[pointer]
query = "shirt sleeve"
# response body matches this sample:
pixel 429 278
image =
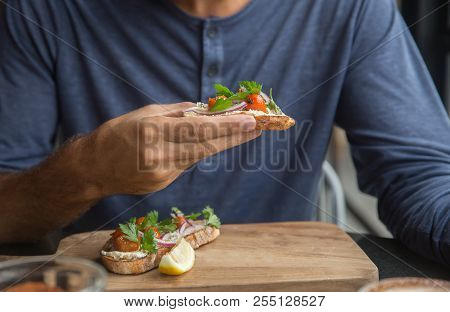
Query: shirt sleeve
pixel 28 105
pixel 398 130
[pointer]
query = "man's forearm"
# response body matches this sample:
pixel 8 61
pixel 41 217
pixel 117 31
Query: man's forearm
pixel 49 196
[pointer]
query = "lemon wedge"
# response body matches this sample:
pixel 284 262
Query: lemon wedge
pixel 179 260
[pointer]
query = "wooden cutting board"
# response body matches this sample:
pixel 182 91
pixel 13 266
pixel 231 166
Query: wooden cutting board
pixel 286 256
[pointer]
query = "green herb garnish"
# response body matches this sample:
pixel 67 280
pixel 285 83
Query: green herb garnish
pixel 150 220
pixel 148 242
pixel 251 86
pixel 167 226
pixel 246 88
pixel 221 104
pixel 130 231
pixel 221 90
pixel 272 105
pixel 210 217
pixel 193 216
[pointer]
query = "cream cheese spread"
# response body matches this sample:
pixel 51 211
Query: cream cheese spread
pixel 119 255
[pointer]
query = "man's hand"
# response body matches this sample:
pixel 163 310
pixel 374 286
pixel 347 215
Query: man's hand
pixel 139 152
pixel 145 150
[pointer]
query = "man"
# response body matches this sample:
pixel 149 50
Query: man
pixel 91 68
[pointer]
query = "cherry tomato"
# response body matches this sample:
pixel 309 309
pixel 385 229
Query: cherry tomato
pixel 211 103
pixel 116 233
pixel 120 243
pixel 140 220
pixel 154 229
pixel 256 102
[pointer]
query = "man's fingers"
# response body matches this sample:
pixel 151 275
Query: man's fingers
pixel 171 157
pixel 190 153
pixel 177 109
pixel 202 129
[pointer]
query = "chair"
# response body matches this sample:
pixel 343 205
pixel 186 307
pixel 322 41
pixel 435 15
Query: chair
pixel 331 206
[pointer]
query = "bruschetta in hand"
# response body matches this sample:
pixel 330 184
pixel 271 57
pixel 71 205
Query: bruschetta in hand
pixel 248 99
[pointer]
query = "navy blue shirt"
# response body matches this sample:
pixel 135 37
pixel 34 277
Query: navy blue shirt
pixel 71 65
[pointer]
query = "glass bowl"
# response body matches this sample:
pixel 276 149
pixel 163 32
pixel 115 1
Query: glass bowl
pixel 50 273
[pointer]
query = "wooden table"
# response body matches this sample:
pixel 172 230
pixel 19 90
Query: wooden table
pixel 283 256
pixel 391 257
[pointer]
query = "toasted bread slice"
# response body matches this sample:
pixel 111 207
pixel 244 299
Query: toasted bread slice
pixel 202 237
pixel 273 122
pixel 263 121
pixel 151 261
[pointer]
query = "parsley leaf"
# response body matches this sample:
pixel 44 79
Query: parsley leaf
pixel 148 242
pixel 239 96
pixel 210 217
pixel 251 86
pixel 222 90
pixel 222 104
pixel 193 216
pixel 130 231
pixel 151 219
pixel 166 226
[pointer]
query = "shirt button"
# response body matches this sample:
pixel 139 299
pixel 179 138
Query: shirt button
pixel 212 32
pixel 212 71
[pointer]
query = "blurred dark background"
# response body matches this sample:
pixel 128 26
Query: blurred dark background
pixel 432 34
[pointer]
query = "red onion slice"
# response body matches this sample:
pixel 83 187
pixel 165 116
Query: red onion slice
pixel 163 243
pixel 205 112
pixel 265 97
pixel 182 228
pixel 192 229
